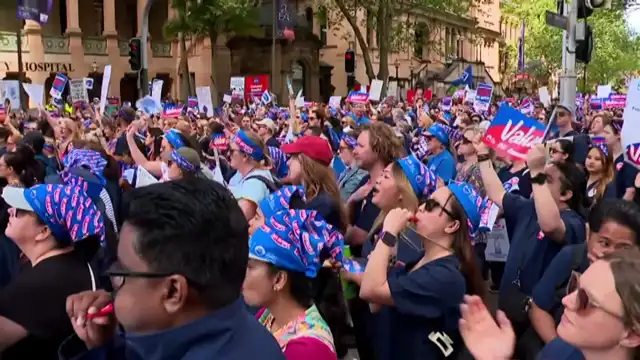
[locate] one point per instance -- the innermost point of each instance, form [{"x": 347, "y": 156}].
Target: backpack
[{"x": 272, "y": 186}]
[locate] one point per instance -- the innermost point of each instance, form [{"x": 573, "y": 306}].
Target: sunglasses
[
  {"x": 583, "y": 301},
  {"x": 428, "y": 137},
  {"x": 432, "y": 204},
  {"x": 562, "y": 113}
]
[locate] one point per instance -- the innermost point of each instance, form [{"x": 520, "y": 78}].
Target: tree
[
  {"x": 393, "y": 22},
  {"x": 615, "y": 52},
  {"x": 200, "y": 20}
]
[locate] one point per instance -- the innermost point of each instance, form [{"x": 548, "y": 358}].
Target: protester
[
  {"x": 281, "y": 279},
  {"x": 352, "y": 175},
  {"x": 422, "y": 296},
  {"x": 603, "y": 299},
  {"x": 183, "y": 249},
  {"x": 441, "y": 162},
  {"x": 599, "y": 167},
  {"x": 58, "y": 229}
]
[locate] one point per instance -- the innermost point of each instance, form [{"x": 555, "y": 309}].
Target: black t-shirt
[
  {"x": 36, "y": 300},
  {"x": 364, "y": 215}
]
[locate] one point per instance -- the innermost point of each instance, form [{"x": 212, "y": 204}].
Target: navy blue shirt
[
  {"x": 327, "y": 208},
  {"x": 624, "y": 176},
  {"x": 531, "y": 251},
  {"x": 548, "y": 291},
  {"x": 443, "y": 165},
  {"x": 558, "y": 349},
  {"x": 364, "y": 214},
  {"x": 609, "y": 192},
  {"x": 423, "y": 323},
  {"x": 524, "y": 180}
]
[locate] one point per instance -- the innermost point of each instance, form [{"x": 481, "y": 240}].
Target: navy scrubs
[
  {"x": 531, "y": 251},
  {"x": 624, "y": 176},
  {"x": 547, "y": 294},
  {"x": 558, "y": 349},
  {"x": 423, "y": 323}
]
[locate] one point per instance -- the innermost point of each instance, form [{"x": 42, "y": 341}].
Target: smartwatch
[
  {"x": 389, "y": 239},
  {"x": 539, "y": 179}
]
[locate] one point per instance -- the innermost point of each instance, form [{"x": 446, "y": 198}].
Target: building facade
[{"x": 82, "y": 36}]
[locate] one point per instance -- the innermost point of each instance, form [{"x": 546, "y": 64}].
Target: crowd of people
[{"x": 297, "y": 233}]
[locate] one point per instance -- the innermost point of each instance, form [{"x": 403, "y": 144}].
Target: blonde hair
[
  {"x": 72, "y": 127},
  {"x": 318, "y": 178},
  {"x": 408, "y": 198},
  {"x": 350, "y": 122}
]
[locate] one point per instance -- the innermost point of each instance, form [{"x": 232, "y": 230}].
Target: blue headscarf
[
  {"x": 294, "y": 240},
  {"x": 174, "y": 139},
  {"x": 280, "y": 200},
  {"x": 279, "y": 161},
  {"x": 423, "y": 181},
  {"x": 248, "y": 146},
  {"x": 472, "y": 203},
  {"x": 68, "y": 212},
  {"x": 89, "y": 160}
]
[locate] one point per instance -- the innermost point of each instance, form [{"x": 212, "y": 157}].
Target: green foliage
[
  {"x": 393, "y": 22},
  {"x": 211, "y": 18},
  {"x": 615, "y": 53}
]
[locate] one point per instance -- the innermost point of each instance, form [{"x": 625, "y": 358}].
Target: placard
[
  {"x": 78, "y": 91},
  {"x": 497, "y": 242},
  {"x": 512, "y": 133}
]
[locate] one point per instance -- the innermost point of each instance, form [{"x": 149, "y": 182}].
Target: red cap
[{"x": 314, "y": 147}]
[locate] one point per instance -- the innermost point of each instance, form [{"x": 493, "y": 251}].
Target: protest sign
[
  {"x": 482, "y": 100},
  {"x": 512, "y": 134},
  {"x": 78, "y": 92},
  {"x": 358, "y": 97},
  {"x": 630, "y": 135},
  {"x": 59, "y": 83}
]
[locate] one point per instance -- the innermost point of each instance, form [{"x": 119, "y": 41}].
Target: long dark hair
[
  {"x": 30, "y": 172},
  {"x": 463, "y": 249}
]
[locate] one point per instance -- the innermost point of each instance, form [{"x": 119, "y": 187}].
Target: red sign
[{"x": 255, "y": 85}]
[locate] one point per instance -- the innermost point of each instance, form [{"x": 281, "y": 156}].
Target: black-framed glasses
[
  {"x": 555, "y": 151},
  {"x": 432, "y": 204},
  {"x": 118, "y": 277},
  {"x": 583, "y": 302}
]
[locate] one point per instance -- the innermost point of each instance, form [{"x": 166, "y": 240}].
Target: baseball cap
[
  {"x": 268, "y": 123},
  {"x": 68, "y": 212},
  {"x": 314, "y": 147},
  {"x": 568, "y": 107},
  {"x": 438, "y": 132}
]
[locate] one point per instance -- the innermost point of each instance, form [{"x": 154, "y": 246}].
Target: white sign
[
  {"x": 106, "y": 78},
  {"x": 10, "y": 89},
  {"x": 603, "y": 91},
  {"x": 156, "y": 90},
  {"x": 334, "y": 102},
  {"x": 631, "y": 126},
  {"x": 144, "y": 178},
  {"x": 237, "y": 86},
  {"x": 497, "y": 242},
  {"x": 88, "y": 83},
  {"x": 203, "y": 93},
  {"x": 470, "y": 96},
  {"x": 375, "y": 90},
  {"x": 78, "y": 91},
  {"x": 543, "y": 94},
  {"x": 35, "y": 92}
]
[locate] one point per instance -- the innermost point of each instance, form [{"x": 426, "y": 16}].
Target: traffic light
[
  {"x": 135, "y": 54},
  {"x": 586, "y": 7},
  {"x": 351, "y": 82},
  {"x": 585, "y": 47},
  {"x": 350, "y": 61}
]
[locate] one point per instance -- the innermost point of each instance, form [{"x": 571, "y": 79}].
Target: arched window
[
  {"x": 418, "y": 40},
  {"x": 298, "y": 77}
]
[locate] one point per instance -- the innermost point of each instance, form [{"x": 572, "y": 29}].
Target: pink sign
[
  {"x": 512, "y": 134},
  {"x": 255, "y": 85},
  {"x": 358, "y": 97}
]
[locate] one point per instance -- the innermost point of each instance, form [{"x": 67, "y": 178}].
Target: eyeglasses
[
  {"x": 562, "y": 113},
  {"x": 119, "y": 276},
  {"x": 583, "y": 302},
  {"x": 555, "y": 151},
  {"x": 432, "y": 204}
]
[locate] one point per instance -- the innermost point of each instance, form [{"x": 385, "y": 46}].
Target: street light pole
[
  {"x": 144, "y": 35},
  {"x": 397, "y": 65}
]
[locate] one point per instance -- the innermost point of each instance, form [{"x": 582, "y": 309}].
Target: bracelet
[{"x": 484, "y": 157}]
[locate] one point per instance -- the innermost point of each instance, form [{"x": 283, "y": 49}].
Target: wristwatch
[
  {"x": 484, "y": 157},
  {"x": 389, "y": 239},
  {"x": 539, "y": 179}
]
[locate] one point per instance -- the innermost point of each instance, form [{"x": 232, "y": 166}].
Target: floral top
[{"x": 309, "y": 325}]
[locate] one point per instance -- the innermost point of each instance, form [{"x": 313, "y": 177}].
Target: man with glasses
[
  {"x": 182, "y": 258},
  {"x": 564, "y": 122}
]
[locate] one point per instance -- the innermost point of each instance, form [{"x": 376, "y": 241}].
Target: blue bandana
[
  {"x": 600, "y": 143},
  {"x": 423, "y": 181},
  {"x": 88, "y": 159},
  {"x": 247, "y": 146},
  {"x": 349, "y": 140},
  {"x": 294, "y": 240},
  {"x": 174, "y": 139},
  {"x": 279, "y": 161},
  {"x": 280, "y": 200},
  {"x": 68, "y": 212},
  {"x": 183, "y": 163},
  {"x": 471, "y": 202}
]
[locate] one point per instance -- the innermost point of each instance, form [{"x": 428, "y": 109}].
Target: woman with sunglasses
[
  {"x": 600, "y": 320},
  {"x": 420, "y": 297},
  {"x": 284, "y": 266},
  {"x": 613, "y": 225},
  {"x": 561, "y": 150}
]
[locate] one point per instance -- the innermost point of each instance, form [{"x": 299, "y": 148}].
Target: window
[
  {"x": 297, "y": 77},
  {"x": 418, "y": 40},
  {"x": 308, "y": 15},
  {"x": 322, "y": 21}
]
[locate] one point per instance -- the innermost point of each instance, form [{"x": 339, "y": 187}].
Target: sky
[{"x": 633, "y": 19}]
